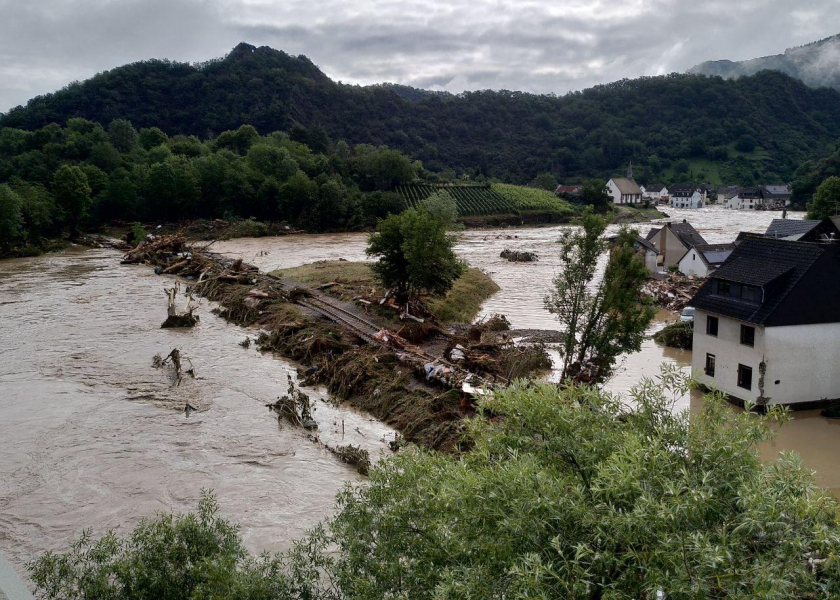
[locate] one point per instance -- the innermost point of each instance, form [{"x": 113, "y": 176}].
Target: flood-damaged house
[
  {"x": 624, "y": 190},
  {"x": 688, "y": 196},
  {"x": 823, "y": 230},
  {"x": 767, "y": 324},
  {"x": 654, "y": 192},
  {"x": 673, "y": 241},
  {"x": 702, "y": 260}
]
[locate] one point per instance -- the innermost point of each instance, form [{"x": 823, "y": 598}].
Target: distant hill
[
  {"x": 816, "y": 64},
  {"x": 674, "y": 127}
]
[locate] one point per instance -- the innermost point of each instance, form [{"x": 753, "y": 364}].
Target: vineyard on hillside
[
  {"x": 527, "y": 199},
  {"x": 471, "y": 200}
]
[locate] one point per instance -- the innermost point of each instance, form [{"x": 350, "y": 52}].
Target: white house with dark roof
[
  {"x": 767, "y": 324},
  {"x": 624, "y": 190},
  {"x": 702, "y": 260},
  {"x": 688, "y": 196},
  {"x": 673, "y": 241},
  {"x": 654, "y": 191}
]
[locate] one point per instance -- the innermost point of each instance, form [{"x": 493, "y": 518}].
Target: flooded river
[{"x": 92, "y": 435}]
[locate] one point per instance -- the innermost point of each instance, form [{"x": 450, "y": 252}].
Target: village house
[
  {"x": 803, "y": 231},
  {"x": 746, "y": 199},
  {"x": 654, "y": 192},
  {"x": 726, "y": 193},
  {"x": 704, "y": 259},
  {"x": 624, "y": 191},
  {"x": 775, "y": 195},
  {"x": 766, "y": 324},
  {"x": 673, "y": 241},
  {"x": 688, "y": 196},
  {"x": 568, "y": 190}
]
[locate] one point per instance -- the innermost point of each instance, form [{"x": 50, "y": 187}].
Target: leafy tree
[
  {"x": 11, "y": 217},
  {"x": 826, "y": 201},
  {"x": 184, "y": 557},
  {"x": 122, "y": 134},
  {"x": 151, "y": 137},
  {"x": 594, "y": 193},
  {"x": 545, "y": 181},
  {"x": 72, "y": 194},
  {"x": 297, "y": 193},
  {"x": 600, "y": 320},
  {"x": 442, "y": 207},
  {"x": 415, "y": 254}
]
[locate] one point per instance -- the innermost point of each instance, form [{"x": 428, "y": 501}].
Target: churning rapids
[{"x": 92, "y": 436}]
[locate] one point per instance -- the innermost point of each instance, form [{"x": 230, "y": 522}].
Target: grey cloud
[{"x": 538, "y": 46}]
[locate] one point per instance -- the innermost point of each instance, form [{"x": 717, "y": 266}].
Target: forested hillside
[{"x": 758, "y": 128}]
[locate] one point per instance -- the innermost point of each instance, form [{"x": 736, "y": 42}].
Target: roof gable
[
  {"x": 781, "y": 228},
  {"x": 776, "y": 267},
  {"x": 626, "y": 186}
]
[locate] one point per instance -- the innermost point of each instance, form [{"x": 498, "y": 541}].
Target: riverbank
[{"x": 406, "y": 377}]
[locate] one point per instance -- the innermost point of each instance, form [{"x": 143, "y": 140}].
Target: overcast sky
[{"x": 538, "y": 46}]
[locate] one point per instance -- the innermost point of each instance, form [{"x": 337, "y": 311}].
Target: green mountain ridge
[{"x": 679, "y": 126}]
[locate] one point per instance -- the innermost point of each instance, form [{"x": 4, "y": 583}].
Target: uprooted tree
[
  {"x": 601, "y": 319},
  {"x": 415, "y": 254}
]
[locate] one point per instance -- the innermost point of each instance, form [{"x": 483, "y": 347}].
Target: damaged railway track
[{"x": 422, "y": 394}]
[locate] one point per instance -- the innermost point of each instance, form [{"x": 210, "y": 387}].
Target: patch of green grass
[
  {"x": 464, "y": 300},
  {"x": 460, "y": 305}
]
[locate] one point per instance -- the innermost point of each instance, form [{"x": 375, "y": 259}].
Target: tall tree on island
[
  {"x": 600, "y": 320},
  {"x": 415, "y": 252},
  {"x": 72, "y": 194}
]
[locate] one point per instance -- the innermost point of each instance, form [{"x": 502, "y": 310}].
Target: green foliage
[
  {"x": 137, "y": 234},
  {"x": 600, "y": 320},
  {"x": 442, "y": 207},
  {"x": 415, "y": 254},
  {"x": 11, "y": 217},
  {"x": 545, "y": 181},
  {"x": 811, "y": 174},
  {"x": 570, "y": 494},
  {"x": 826, "y": 201},
  {"x": 72, "y": 194},
  {"x": 527, "y": 199},
  {"x": 470, "y": 199},
  {"x": 676, "y": 335},
  {"x": 594, "y": 193},
  {"x": 194, "y": 556},
  {"x": 151, "y": 177}
]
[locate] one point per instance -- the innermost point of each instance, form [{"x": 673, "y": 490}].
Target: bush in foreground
[{"x": 571, "y": 494}]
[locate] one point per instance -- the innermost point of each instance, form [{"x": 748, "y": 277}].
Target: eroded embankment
[{"x": 385, "y": 375}]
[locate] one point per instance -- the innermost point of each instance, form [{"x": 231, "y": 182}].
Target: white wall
[
  {"x": 692, "y": 264},
  {"x": 612, "y": 188},
  {"x": 729, "y": 352},
  {"x": 804, "y": 359}
]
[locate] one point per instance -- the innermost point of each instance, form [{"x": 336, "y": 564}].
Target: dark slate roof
[
  {"x": 653, "y": 231},
  {"x": 775, "y": 265},
  {"x": 654, "y": 187},
  {"x": 687, "y": 234},
  {"x": 685, "y": 189},
  {"x": 714, "y": 254},
  {"x": 780, "y": 228},
  {"x": 750, "y": 193}
]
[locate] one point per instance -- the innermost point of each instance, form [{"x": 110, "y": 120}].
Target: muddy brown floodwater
[
  {"x": 92, "y": 436},
  {"x": 523, "y": 285}
]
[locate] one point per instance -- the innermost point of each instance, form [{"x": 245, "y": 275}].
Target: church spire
[{"x": 630, "y": 171}]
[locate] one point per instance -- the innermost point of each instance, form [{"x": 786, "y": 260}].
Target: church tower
[{"x": 630, "y": 171}]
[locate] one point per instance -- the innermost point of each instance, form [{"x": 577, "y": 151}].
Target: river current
[{"x": 91, "y": 435}]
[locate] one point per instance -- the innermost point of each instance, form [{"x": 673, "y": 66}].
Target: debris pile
[
  {"x": 179, "y": 318},
  {"x": 295, "y": 407},
  {"x": 519, "y": 255},
  {"x": 352, "y": 455},
  {"x": 673, "y": 293}
]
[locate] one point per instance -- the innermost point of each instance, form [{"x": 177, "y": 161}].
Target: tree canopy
[
  {"x": 561, "y": 493},
  {"x": 826, "y": 202}
]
